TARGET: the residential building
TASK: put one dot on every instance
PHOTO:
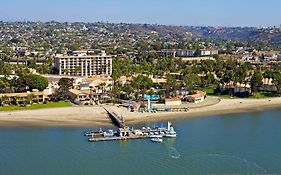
(196, 98)
(23, 98)
(186, 53)
(204, 52)
(166, 53)
(84, 63)
(81, 97)
(173, 101)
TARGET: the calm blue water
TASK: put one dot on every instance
(237, 144)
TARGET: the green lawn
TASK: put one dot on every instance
(265, 95)
(210, 92)
(37, 106)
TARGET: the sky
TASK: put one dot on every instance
(227, 13)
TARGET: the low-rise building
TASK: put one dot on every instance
(23, 98)
(173, 101)
(198, 97)
(81, 97)
(186, 53)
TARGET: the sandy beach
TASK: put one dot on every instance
(97, 116)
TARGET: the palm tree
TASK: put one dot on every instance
(102, 85)
(30, 98)
(4, 99)
(77, 69)
(170, 84)
(1, 101)
(15, 100)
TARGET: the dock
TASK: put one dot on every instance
(125, 133)
(117, 120)
(93, 139)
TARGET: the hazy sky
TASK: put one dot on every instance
(174, 12)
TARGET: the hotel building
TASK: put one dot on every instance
(84, 63)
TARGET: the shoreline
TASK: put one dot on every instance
(95, 116)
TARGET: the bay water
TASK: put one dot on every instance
(246, 143)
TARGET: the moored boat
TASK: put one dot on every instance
(170, 132)
(94, 133)
(110, 133)
(157, 140)
(155, 136)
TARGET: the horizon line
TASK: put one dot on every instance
(135, 23)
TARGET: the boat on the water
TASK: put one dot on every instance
(157, 139)
(110, 133)
(94, 133)
(155, 136)
(170, 131)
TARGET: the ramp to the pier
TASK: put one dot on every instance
(116, 119)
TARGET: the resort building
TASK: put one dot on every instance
(196, 98)
(186, 53)
(81, 97)
(23, 98)
(84, 63)
(173, 101)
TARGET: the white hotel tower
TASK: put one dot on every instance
(84, 63)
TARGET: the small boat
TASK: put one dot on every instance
(157, 140)
(94, 133)
(110, 133)
(145, 134)
(171, 135)
(155, 136)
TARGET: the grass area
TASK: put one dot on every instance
(37, 106)
(211, 92)
(265, 95)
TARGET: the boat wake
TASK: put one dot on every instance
(173, 153)
(219, 159)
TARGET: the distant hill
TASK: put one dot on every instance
(252, 34)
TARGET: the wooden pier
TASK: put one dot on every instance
(116, 119)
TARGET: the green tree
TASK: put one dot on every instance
(63, 91)
(1, 101)
(170, 84)
(256, 82)
(191, 80)
(142, 83)
(38, 82)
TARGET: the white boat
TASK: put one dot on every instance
(170, 132)
(155, 136)
(171, 135)
(157, 140)
(110, 133)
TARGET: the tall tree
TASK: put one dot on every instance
(256, 82)
(63, 91)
